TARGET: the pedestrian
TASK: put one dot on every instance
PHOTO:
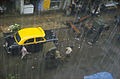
(96, 7)
(89, 31)
(68, 54)
(118, 36)
(68, 51)
(117, 19)
(58, 57)
(24, 52)
(98, 33)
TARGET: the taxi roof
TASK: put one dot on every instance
(31, 32)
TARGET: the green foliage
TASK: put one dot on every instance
(15, 27)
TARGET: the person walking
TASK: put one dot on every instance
(68, 54)
(24, 52)
(68, 51)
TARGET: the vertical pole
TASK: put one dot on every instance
(61, 4)
(21, 6)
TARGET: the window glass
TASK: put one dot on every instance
(17, 37)
(29, 40)
(39, 39)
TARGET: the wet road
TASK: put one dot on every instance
(85, 60)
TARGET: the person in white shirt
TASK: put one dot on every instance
(24, 52)
(68, 51)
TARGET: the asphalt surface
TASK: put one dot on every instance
(103, 56)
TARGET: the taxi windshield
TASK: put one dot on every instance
(17, 37)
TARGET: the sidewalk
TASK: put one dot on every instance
(45, 20)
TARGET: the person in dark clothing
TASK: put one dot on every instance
(97, 34)
(50, 60)
(117, 19)
(97, 3)
(72, 8)
(102, 8)
(90, 31)
(35, 3)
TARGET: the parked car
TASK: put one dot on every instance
(32, 38)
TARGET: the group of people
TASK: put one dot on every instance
(56, 55)
(66, 56)
(54, 58)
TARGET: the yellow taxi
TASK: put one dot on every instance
(32, 38)
(30, 35)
